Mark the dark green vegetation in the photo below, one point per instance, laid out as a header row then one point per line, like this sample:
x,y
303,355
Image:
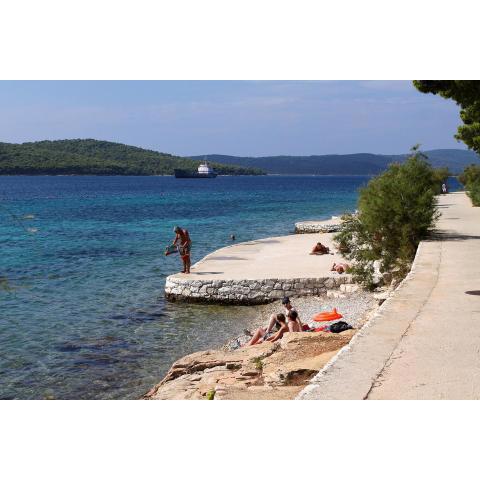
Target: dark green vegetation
x,y
94,157
396,211
471,180
354,164
466,93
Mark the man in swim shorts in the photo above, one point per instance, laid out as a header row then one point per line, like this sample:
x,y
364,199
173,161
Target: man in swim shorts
x,y
185,245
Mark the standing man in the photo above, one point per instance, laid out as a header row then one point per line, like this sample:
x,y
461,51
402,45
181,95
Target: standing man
x,y
185,244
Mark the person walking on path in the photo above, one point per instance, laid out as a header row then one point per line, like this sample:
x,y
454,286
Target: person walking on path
x,y
183,238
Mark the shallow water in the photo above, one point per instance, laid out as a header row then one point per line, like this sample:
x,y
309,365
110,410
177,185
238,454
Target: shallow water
x,y
82,313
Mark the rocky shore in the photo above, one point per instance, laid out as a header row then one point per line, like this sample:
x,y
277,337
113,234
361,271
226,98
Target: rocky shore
x,y
277,370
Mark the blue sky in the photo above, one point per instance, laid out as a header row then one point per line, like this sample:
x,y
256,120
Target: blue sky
x,y
231,117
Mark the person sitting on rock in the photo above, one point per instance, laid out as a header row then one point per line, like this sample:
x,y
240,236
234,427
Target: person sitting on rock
x,y
320,249
339,267
267,335
294,324
288,308
275,323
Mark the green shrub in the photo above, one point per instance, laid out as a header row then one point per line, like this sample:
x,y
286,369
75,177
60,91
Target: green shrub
x,y
397,210
257,361
440,175
471,174
470,178
474,192
211,394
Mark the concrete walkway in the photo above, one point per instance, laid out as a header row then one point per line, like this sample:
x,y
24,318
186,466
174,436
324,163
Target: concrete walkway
x,y
259,271
425,341
277,257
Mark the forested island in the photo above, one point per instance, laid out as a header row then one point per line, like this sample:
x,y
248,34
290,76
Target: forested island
x,y
351,164
97,157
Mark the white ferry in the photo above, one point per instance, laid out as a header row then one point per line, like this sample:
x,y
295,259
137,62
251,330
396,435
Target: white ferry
x,y
204,171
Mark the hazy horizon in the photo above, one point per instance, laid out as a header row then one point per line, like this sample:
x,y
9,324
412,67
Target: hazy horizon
x,y
237,118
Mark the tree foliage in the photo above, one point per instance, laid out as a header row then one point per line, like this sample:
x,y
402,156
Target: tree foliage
x,y
471,180
465,93
440,175
397,210
94,157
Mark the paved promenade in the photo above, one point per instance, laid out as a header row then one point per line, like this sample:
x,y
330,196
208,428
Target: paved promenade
x,y
425,341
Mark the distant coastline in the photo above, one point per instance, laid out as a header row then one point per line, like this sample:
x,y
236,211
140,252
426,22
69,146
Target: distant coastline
x,y
346,164
97,157
102,158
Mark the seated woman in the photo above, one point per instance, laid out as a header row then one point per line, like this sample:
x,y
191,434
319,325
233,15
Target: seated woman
x,y
320,249
264,335
339,267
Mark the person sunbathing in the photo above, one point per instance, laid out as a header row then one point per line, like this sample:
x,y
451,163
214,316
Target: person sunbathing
x,y
339,267
294,324
266,334
320,249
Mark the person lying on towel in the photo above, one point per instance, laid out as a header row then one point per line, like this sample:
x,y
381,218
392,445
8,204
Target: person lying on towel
x,y
320,249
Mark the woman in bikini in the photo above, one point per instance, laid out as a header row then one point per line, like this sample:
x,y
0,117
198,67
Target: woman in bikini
x,y
264,335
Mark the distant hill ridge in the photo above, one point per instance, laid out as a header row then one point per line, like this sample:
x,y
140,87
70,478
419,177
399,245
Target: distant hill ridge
x,y
352,164
97,157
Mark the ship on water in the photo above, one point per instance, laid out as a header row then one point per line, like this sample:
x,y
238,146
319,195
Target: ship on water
x,y
204,171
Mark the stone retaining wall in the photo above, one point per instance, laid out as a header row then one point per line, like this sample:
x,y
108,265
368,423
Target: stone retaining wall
x,y
317,227
247,292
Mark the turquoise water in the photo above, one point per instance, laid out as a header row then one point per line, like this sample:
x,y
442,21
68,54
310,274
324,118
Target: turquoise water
x,y
82,307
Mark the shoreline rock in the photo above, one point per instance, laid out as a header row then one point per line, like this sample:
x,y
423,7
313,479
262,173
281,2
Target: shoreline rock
x,y
265,371
267,367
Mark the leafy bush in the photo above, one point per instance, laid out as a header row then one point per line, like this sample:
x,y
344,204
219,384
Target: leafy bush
x,y
471,180
440,175
474,193
397,210
471,174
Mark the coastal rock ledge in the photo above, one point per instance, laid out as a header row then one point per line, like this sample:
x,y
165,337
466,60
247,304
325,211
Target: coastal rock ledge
x,y
247,292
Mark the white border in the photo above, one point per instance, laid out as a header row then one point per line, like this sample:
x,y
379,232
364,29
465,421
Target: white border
x,y
233,39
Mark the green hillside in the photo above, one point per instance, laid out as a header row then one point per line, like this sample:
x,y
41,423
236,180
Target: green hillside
x,y
352,164
95,157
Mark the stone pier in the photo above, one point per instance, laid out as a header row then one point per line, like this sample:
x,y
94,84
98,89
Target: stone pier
x,y
319,226
259,271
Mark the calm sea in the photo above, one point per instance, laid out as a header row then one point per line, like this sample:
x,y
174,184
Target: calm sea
x,y
82,313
